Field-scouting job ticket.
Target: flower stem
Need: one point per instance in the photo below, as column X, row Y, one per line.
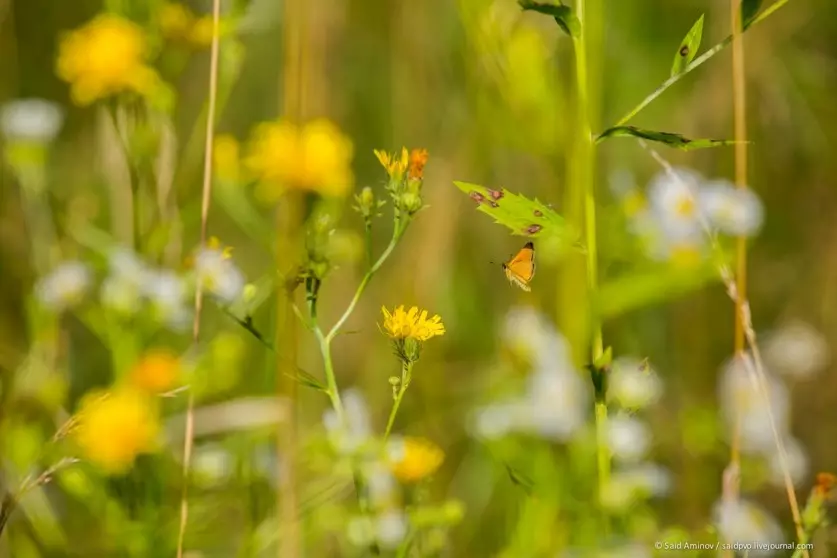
column 333, row 392
column 588, row 13
column 406, row 374
column 396, row 236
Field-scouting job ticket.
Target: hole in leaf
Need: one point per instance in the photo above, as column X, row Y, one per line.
column 477, row 197
column 532, row 229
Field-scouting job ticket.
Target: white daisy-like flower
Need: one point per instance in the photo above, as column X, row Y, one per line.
column 65, row 286
column 391, row 528
column 735, row 211
column 380, row 483
column 120, row 295
column 741, row 394
column 797, row 462
column 674, row 200
column 743, row 522
column 219, row 275
column 650, row 479
column 530, row 332
column 634, row 384
column 33, row 120
column 495, row 420
column 629, row 438
column 796, row 350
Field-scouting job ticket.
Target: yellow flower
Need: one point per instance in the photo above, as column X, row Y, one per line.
column 103, row 58
column 395, row 167
column 175, row 20
column 415, row 459
column 402, row 325
column 316, row 157
column 157, row 372
column 226, row 159
column 114, row 427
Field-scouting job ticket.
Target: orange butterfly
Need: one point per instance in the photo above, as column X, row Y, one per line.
column 521, row 268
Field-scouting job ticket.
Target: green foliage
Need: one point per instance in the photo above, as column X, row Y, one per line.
column 749, row 10
column 668, row 138
column 522, row 216
column 563, row 15
column 688, row 48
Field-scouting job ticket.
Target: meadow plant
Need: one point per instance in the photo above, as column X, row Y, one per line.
column 149, row 349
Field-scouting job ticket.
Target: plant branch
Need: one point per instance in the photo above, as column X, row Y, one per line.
column 695, row 63
column 406, row 376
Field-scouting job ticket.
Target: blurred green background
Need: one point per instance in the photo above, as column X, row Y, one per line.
column 488, row 90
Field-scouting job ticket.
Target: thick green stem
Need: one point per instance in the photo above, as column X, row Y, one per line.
column 588, row 12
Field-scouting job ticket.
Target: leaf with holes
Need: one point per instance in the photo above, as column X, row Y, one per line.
column 671, row 139
column 521, row 215
column 563, row 15
column 688, row 47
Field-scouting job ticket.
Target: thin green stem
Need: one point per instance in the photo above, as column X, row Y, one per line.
column 584, row 175
column 396, row 236
column 406, row 375
column 695, row 63
column 331, row 380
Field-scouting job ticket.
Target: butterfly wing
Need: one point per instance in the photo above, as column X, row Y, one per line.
column 521, row 268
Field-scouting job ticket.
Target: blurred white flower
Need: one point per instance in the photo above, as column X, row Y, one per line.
column 556, row 401
column 166, row 291
column 629, row 438
column 357, row 430
column 64, row 286
column 743, row 522
column 120, row 295
column 797, row 462
column 796, row 350
column 735, row 211
column 380, row 482
column 674, row 201
column 391, row 528
column 630, row 485
column 360, row 531
column 741, row 394
column 634, row 384
column 33, row 120
column 213, row 463
column 219, row 275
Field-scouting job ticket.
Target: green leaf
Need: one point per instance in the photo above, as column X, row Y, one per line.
column 521, row 215
column 637, row 290
column 520, row 479
column 306, row 379
column 668, row 138
column 605, row 359
column 563, row 15
column 688, row 47
column 749, row 10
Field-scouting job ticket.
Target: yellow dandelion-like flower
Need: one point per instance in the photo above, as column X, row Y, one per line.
column 105, row 57
column 394, row 164
column 156, row 372
column 315, row 157
column 113, row 427
column 225, row 158
column 414, row 459
column 401, row 324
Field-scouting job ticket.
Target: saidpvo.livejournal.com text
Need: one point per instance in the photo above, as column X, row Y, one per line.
column 741, row 547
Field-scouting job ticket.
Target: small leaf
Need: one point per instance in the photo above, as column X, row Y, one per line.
column 307, row 380
column 749, row 10
column 521, row 215
column 520, row 479
column 688, row 47
column 671, row 139
column 605, row 359
column 563, row 15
